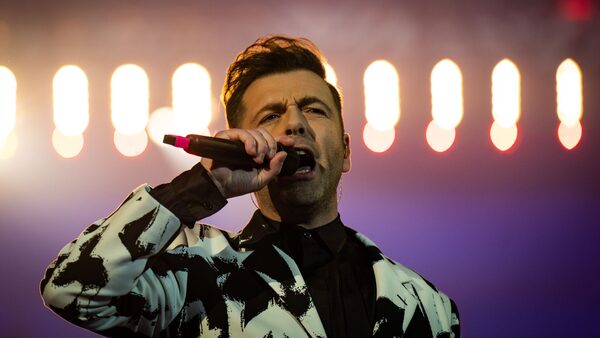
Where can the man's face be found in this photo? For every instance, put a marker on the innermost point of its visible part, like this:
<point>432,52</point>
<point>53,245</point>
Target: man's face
<point>299,104</point>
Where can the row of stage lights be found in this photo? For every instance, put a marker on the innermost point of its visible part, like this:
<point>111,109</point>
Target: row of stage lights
<point>191,110</point>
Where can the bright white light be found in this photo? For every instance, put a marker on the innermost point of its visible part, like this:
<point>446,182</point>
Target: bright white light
<point>569,97</point>
<point>569,136</point>
<point>506,93</point>
<point>129,99</point>
<point>71,100</point>
<point>382,95</point>
<point>439,139</point>
<point>502,137</point>
<point>8,146</point>
<point>330,75</point>
<point>378,140</point>
<point>162,121</point>
<point>67,146</point>
<point>446,94</point>
<point>8,102</point>
<point>131,145</point>
<point>191,98</point>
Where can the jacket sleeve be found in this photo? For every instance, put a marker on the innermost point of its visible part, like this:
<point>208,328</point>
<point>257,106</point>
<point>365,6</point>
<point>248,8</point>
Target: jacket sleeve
<point>101,279</point>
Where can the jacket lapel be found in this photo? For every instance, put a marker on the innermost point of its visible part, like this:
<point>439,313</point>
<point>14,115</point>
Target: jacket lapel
<point>281,273</point>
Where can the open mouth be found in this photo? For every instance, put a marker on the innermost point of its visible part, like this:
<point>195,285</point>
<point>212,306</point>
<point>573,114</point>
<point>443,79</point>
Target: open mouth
<point>306,161</point>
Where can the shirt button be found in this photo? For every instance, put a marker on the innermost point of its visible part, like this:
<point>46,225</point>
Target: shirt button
<point>207,205</point>
<point>307,235</point>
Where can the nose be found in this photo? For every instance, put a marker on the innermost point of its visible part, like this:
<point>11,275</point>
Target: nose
<point>296,123</point>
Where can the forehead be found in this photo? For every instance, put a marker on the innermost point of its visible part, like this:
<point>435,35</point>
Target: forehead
<point>280,87</point>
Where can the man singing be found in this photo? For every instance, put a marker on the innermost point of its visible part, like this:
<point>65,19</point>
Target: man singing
<point>152,269</point>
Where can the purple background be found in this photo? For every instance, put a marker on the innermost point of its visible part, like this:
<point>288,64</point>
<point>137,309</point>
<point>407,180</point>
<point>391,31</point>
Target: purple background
<point>512,237</point>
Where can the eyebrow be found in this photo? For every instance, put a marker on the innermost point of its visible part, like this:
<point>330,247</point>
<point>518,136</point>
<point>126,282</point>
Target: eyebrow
<point>280,106</point>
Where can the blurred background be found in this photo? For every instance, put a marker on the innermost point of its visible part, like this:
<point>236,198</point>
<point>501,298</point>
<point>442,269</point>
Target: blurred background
<point>493,197</point>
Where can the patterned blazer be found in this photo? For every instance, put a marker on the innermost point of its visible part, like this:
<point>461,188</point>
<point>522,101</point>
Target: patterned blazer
<point>138,272</point>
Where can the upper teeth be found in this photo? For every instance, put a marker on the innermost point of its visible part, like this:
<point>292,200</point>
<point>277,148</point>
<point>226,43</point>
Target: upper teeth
<point>301,152</point>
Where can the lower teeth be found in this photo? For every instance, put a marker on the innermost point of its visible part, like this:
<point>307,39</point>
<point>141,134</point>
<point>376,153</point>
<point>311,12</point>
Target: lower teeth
<point>303,170</point>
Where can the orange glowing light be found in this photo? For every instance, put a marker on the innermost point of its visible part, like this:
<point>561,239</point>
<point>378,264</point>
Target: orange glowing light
<point>439,139</point>
<point>67,146</point>
<point>378,140</point>
<point>8,102</point>
<point>330,75</point>
<point>446,94</point>
<point>506,93</point>
<point>71,100</point>
<point>503,137</point>
<point>8,146</point>
<point>129,99</point>
<point>131,145</point>
<point>569,97</point>
<point>569,136</point>
<point>192,102</point>
<point>382,95</point>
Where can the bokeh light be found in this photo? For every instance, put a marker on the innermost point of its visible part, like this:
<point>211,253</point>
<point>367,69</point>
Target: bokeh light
<point>506,93</point>
<point>67,146</point>
<point>382,95</point>
<point>503,137</point>
<point>569,97</point>
<point>129,99</point>
<point>330,75</point>
<point>439,139</point>
<point>131,145</point>
<point>569,136</point>
<point>8,145</point>
<point>8,102</point>
<point>378,140</point>
<point>192,103</point>
<point>446,94</point>
<point>71,100</point>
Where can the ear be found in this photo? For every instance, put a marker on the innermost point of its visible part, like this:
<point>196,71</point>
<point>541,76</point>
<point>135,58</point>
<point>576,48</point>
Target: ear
<point>347,163</point>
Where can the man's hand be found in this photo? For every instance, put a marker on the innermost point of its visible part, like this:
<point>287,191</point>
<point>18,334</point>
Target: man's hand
<point>259,144</point>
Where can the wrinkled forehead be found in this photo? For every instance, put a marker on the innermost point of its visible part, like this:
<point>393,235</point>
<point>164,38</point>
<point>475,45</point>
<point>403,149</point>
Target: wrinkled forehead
<point>287,88</point>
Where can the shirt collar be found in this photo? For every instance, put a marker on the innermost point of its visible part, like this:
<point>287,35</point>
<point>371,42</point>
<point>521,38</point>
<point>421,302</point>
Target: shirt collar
<point>262,229</point>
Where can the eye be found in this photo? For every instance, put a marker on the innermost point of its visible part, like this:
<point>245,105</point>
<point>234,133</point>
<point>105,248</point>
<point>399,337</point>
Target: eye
<point>269,117</point>
<point>314,110</point>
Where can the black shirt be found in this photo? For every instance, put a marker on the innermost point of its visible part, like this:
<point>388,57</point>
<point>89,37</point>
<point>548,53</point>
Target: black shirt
<point>334,265</point>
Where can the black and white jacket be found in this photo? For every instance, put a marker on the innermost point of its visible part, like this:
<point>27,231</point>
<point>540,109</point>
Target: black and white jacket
<point>139,272</point>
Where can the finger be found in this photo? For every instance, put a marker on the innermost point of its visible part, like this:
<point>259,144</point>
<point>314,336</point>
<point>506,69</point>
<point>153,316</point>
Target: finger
<point>245,137</point>
<point>266,175</point>
<point>270,141</point>
<point>262,146</point>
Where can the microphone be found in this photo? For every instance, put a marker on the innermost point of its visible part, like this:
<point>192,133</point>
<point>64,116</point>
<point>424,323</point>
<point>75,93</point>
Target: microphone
<point>230,152</point>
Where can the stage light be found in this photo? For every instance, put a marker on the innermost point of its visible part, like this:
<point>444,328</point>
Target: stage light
<point>71,100</point>
<point>8,103</point>
<point>503,137</point>
<point>506,104</point>
<point>67,146</point>
<point>131,145</point>
<point>569,102</point>
<point>569,136</point>
<point>439,139</point>
<point>8,146</point>
<point>129,99</point>
<point>192,103</point>
<point>382,95</point>
<point>378,140</point>
<point>446,94</point>
<point>330,75</point>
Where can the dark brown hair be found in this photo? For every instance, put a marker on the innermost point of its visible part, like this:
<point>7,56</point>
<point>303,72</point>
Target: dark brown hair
<point>270,55</point>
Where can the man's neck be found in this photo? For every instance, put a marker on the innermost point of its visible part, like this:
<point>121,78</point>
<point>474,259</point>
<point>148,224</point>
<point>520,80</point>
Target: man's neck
<point>306,217</point>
